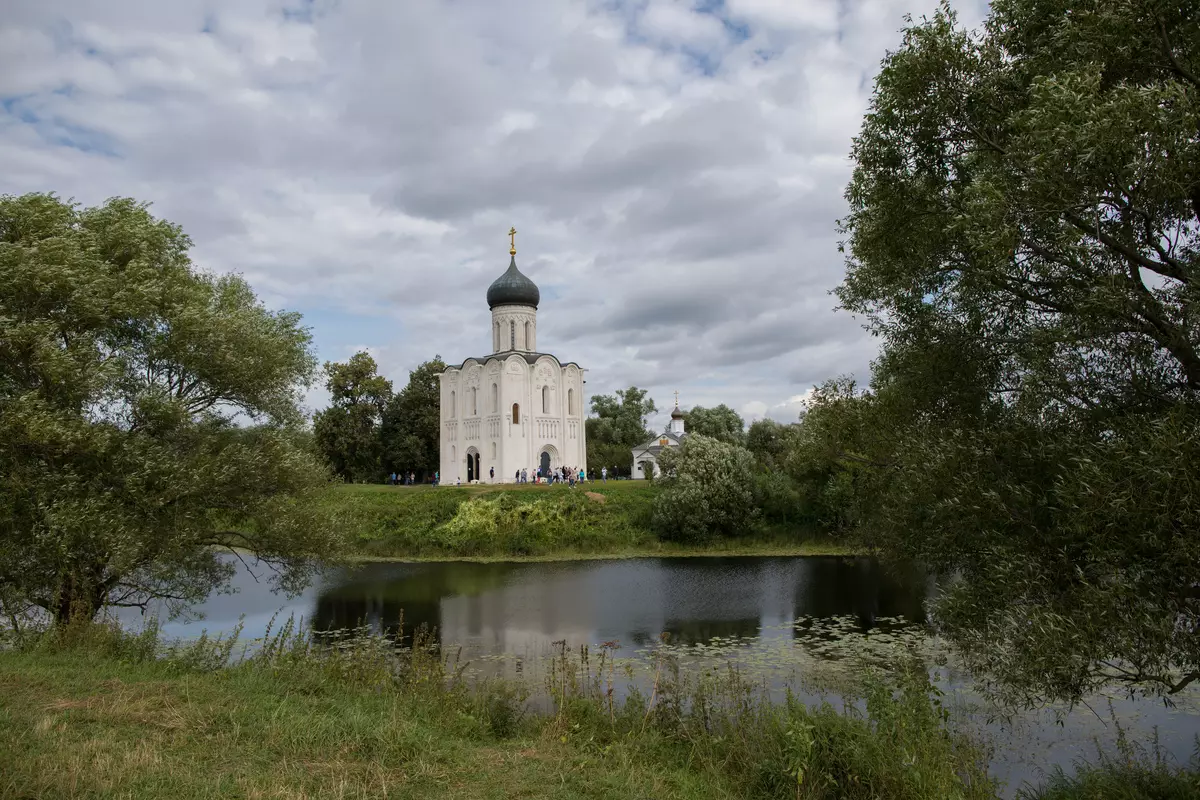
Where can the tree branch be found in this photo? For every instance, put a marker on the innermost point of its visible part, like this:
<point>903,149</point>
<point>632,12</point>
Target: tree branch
<point>1167,269</point>
<point>1169,52</point>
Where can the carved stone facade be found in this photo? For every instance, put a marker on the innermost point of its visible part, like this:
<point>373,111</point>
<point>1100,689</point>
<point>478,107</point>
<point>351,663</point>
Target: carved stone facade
<point>514,328</point>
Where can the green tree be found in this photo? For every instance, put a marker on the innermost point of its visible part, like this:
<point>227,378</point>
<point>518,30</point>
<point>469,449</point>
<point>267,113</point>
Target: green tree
<point>348,432</point>
<point>709,491</point>
<point>123,371</point>
<point>1024,235</point>
<point>410,428</point>
<point>618,425</point>
<point>719,422</point>
<point>767,440</point>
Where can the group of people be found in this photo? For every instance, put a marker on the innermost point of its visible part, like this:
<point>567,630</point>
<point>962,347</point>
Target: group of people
<point>567,475</point>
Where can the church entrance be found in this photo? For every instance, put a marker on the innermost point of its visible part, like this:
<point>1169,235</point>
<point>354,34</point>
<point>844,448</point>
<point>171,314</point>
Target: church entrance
<point>472,466</point>
<point>545,463</point>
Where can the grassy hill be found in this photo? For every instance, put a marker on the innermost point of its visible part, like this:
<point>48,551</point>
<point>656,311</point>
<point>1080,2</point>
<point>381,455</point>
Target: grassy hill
<point>525,521</point>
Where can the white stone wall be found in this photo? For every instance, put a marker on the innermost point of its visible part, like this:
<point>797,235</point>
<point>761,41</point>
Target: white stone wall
<point>514,328</point>
<point>477,418</point>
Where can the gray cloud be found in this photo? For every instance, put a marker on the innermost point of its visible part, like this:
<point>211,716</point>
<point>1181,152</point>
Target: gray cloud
<point>675,173</point>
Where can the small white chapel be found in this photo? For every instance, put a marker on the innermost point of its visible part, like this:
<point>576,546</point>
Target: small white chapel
<point>515,409</point>
<point>645,455</point>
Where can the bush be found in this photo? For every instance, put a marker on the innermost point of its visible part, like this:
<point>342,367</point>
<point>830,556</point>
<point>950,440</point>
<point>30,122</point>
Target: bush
<point>708,491</point>
<point>779,498</point>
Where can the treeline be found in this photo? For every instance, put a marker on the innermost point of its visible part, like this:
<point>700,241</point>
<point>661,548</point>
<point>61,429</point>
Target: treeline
<point>368,431</point>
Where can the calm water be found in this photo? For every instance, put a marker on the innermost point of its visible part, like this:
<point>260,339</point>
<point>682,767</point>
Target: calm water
<point>782,617</point>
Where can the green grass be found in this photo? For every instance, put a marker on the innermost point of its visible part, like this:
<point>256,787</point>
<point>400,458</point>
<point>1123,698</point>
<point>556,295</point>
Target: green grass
<point>97,713</point>
<point>1137,777</point>
<point>530,522</point>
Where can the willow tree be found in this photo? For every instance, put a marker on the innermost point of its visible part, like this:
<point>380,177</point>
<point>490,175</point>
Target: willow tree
<point>147,416</point>
<point>1024,235</point>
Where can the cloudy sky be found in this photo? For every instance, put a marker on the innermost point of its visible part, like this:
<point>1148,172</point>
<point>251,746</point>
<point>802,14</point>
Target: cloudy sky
<point>674,167</point>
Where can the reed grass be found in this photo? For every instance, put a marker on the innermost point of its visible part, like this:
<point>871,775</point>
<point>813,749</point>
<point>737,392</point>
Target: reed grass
<point>91,710</point>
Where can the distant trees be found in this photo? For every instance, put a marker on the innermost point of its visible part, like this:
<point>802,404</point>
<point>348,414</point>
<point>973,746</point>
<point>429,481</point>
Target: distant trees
<point>617,426</point>
<point>768,441</point>
<point>719,422</point>
<point>348,433</point>
<point>410,429</point>
<point>368,432</point>
<point>125,375</point>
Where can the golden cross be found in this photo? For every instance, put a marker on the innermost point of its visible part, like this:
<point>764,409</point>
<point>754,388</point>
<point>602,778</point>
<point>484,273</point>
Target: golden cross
<point>512,241</point>
<point>677,398</point>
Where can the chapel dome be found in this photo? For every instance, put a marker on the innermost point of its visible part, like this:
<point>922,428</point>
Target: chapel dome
<point>513,289</point>
<point>676,414</point>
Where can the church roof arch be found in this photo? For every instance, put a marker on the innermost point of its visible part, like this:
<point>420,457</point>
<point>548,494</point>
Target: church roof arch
<point>530,358</point>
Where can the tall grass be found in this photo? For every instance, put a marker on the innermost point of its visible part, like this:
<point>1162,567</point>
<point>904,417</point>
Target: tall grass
<point>895,743</point>
<point>716,727</point>
<point>1133,772</point>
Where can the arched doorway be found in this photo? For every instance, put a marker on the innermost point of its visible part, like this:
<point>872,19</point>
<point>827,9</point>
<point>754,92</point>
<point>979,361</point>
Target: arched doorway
<point>548,459</point>
<point>472,465</point>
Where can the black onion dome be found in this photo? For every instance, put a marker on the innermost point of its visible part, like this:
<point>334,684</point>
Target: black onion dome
<point>676,414</point>
<point>513,289</point>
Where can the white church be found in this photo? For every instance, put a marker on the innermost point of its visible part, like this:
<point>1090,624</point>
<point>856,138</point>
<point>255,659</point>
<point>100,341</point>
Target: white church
<point>645,455</point>
<point>515,409</point>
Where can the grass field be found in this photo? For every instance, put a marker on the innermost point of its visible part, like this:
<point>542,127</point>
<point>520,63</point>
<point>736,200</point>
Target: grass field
<point>92,712</point>
<point>108,715</point>
<point>531,522</point>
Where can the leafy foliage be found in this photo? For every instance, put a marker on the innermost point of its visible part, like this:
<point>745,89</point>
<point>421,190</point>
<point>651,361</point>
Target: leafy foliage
<point>768,441</point>
<point>348,432</point>
<point>709,491</point>
<point>123,371</point>
<point>719,422</point>
<point>410,426</point>
<point>618,426</point>
<point>1024,235</point>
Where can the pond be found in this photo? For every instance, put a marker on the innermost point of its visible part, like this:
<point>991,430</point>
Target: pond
<point>786,620</point>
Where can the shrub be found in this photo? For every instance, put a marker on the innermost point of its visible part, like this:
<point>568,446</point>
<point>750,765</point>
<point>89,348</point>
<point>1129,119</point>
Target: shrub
<point>778,497</point>
<point>708,493</point>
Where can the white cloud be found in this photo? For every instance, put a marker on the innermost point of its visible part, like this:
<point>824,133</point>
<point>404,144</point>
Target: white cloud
<point>675,171</point>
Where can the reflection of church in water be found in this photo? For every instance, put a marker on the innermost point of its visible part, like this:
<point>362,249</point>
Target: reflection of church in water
<point>516,408</point>
<point>521,609</point>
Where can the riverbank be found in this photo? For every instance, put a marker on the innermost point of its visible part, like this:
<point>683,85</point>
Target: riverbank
<point>535,523</point>
<point>96,712</point>
<point>108,714</point>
